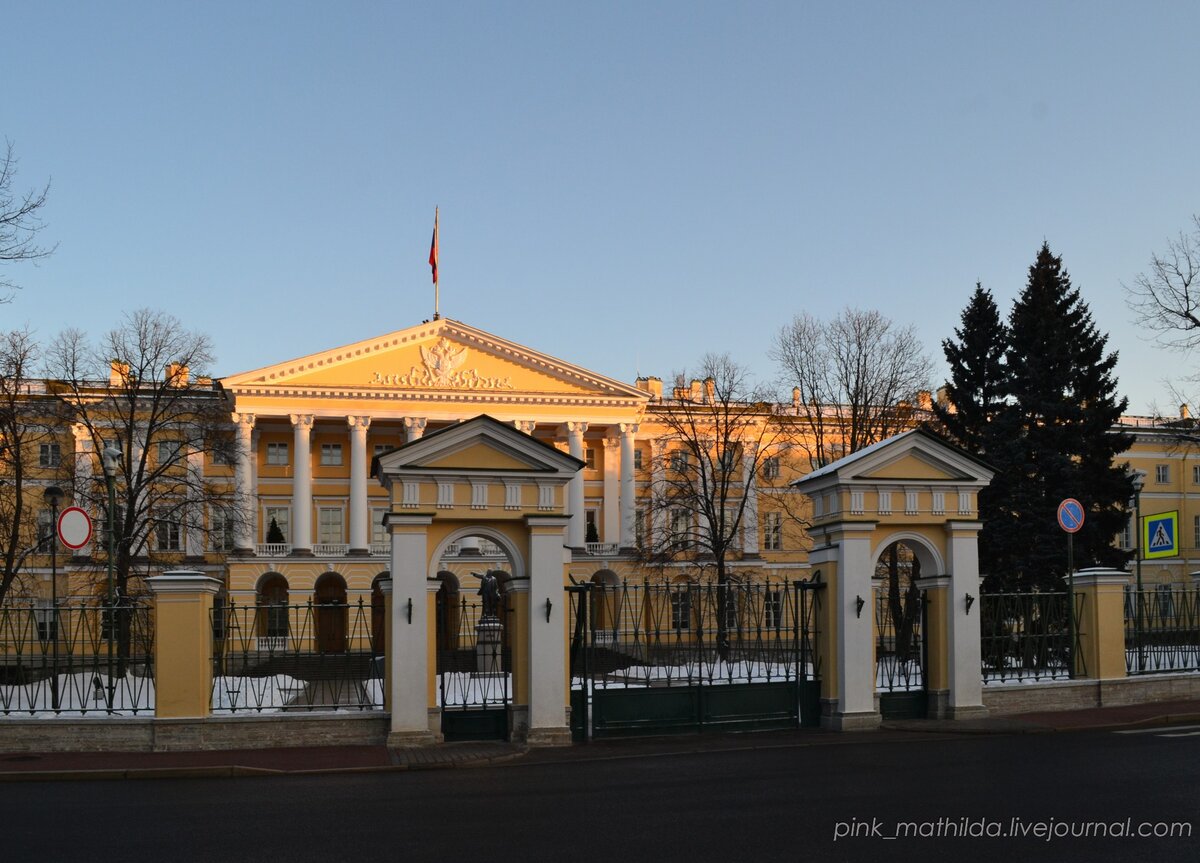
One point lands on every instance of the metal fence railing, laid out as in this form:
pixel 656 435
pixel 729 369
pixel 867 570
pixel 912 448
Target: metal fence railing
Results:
pixel 1028 637
pixel 293 658
pixel 76 659
pixel 1162 629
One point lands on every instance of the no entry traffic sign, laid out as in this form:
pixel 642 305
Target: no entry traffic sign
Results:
pixel 74 527
pixel 1070 515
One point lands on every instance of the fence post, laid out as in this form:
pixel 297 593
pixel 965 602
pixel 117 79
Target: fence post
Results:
pixel 518 597
pixel 1100 598
pixel 183 643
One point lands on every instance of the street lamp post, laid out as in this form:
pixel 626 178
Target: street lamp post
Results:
pixel 111 458
pixel 1138 478
pixel 53 496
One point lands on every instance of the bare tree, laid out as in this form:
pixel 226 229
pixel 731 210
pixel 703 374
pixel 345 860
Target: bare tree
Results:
pixel 720 432
pixel 138 390
pixel 27 423
pixel 855 379
pixel 20 220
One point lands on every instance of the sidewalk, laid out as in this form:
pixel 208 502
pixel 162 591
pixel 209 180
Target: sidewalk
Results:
pixel 325 759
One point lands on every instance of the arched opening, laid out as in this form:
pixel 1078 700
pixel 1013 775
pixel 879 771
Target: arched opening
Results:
pixel 378 616
pixel 605 595
pixel 449 612
pixel 332 613
pixel 272 614
pixel 899 611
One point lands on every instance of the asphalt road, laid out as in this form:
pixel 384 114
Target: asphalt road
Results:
pixel 794 803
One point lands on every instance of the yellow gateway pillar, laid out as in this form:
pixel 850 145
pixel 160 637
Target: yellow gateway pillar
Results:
pixel 183 643
pixel 1100 603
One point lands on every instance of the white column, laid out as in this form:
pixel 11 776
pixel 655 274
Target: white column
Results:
pixel 195 518
pixel 855 631
pixel 246 521
pixel 83 475
pixel 628 486
pixel 525 426
pixel 658 475
pixel 612 509
pixel 302 484
pixel 966 684
pixel 750 513
pixel 547 634
pixel 360 529
pixel 414 428
pixel 576 531
pixel 407 639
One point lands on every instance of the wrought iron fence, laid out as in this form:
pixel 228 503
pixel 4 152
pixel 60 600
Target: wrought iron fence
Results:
pixel 79 659
pixel 295 658
pixel 474 659
pixel 1028 636
pixel 899 641
pixel 1162 629
pixel 687 634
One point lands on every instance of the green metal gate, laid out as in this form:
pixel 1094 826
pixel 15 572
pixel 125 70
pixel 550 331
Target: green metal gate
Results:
pixel 662 658
pixel 474 667
pixel 900 652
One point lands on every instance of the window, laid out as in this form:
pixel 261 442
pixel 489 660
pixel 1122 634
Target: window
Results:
pixel 637 459
pixel 681 607
pixel 728 459
pixel 1125 538
pixel 639 527
pixel 773 531
pixel 378 531
pixel 1196 474
pixel 46 529
pixel 1162 474
pixel 281 517
pixel 168 451
pixel 680 528
pixel 329 524
pixel 679 460
pixel 773 609
pixel 381 448
pixel 589 458
pixel 222 451
pixel 220 532
pixel 43 612
pixel 49 455
pixel 590 530
pixel 166 533
pixel 331 454
pixel 277 453
pixel 1195 532
pixel 770 468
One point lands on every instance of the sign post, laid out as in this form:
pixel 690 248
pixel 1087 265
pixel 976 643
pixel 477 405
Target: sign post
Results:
pixel 1070 519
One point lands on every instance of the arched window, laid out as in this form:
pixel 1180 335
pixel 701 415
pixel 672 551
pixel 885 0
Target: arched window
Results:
pixel 273 606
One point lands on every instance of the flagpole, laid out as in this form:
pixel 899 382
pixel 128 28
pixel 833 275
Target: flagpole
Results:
pixel 433 262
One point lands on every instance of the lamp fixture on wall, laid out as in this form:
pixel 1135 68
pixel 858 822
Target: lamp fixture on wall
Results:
pixel 859 602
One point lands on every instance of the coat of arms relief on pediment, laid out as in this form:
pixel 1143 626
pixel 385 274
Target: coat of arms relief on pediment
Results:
pixel 441 368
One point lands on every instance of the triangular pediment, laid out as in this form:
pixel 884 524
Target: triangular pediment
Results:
pixel 439 359
pixel 481 445
pixel 917 456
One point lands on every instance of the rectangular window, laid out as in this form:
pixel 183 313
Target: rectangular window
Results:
pixel 329 525
pixel 331 454
pixel 378 531
pixel 773 609
pixel 280 516
pixel 168 452
pixel 380 449
pixel 770 468
pixel 220 533
pixel 43 610
pixel 679 460
pixel 1196 474
pixel 49 455
pixel 277 453
pixel 1124 540
pixel 166 533
pixel 637 459
pixel 45 529
pixel 680 528
pixel 222 451
pixel 681 607
pixel 591 531
pixel 728 459
pixel 1195 531
pixel 589 458
pixel 1162 474
pixel 773 531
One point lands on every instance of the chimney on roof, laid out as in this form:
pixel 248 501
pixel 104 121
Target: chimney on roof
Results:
pixel 943 397
pixel 654 387
pixel 177 375
pixel 696 392
pixel 1184 412
pixel 118 373
pixel 710 390
pixel 796 398
pixel 925 400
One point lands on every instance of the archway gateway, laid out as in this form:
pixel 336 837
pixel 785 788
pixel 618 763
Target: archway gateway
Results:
pixel 479 480
pixel 913 491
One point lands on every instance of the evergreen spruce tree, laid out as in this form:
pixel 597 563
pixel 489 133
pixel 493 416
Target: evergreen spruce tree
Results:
pixel 978 377
pixel 1059 439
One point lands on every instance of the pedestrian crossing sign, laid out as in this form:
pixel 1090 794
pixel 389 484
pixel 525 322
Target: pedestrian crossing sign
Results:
pixel 1160 535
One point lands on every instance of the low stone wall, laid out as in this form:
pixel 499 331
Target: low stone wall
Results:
pixel 1081 694
pixel 165 735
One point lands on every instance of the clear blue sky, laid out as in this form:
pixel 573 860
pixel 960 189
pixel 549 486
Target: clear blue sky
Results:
pixel 624 185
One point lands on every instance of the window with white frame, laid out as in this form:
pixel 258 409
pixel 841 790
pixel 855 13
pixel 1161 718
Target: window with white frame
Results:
pixel 1196 474
pixel 49 455
pixel 679 460
pixel 380 449
pixel 281 516
pixel 46 529
pixel 728 459
pixel 637 459
pixel 167 532
pixel 1125 538
pixel 220 529
pixel 591 525
pixel 331 454
pixel 681 523
pixel 589 458
pixel 378 531
pixel 222 451
pixel 681 607
pixel 773 531
pixel 329 525
pixel 1195 531
pixel 773 609
pixel 770 467
pixel 277 453
pixel 168 451
pixel 1162 474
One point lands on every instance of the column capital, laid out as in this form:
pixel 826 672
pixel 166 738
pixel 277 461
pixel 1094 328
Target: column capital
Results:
pixel 358 422
pixel 301 420
pixel 611 441
pixel 569 429
pixel 414 427
pixel 628 428
pixel 525 426
pixel 243 419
